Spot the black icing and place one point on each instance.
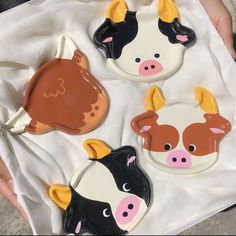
(171, 30)
(122, 34)
(90, 213)
(131, 174)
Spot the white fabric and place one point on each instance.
(28, 38)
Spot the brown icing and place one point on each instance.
(202, 135)
(157, 136)
(61, 95)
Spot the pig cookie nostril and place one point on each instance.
(125, 214)
(174, 159)
(146, 68)
(153, 67)
(184, 160)
(130, 206)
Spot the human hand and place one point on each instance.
(222, 20)
(7, 189)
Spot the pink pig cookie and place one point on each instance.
(181, 137)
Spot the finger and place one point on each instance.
(11, 197)
(225, 29)
(4, 173)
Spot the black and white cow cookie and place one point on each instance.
(144, 46)
(108, 195)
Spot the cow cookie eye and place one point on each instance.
(137, 60)
(167, 147)
(192, 148)
(157, 55)
(106, 213)
(126, 188)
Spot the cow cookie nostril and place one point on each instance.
(153, 67)
(174, 159)
(184, 160)
(125, 214)
(130, 206)
(146, 68)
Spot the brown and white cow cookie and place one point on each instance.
(62, 95)
(181, 136)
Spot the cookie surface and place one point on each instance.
(181, 136)
(144, 46)
(108, 195)
(62, 95)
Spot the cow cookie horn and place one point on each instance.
(154, 99)
(96, 149)
(117, 10)
(66, 47)
(168, 10)
(61, 195)
(206, 100)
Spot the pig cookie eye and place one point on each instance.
(157, 55)
(126, 188)
(192, 148)
(167, 146)
(106, 213)
(137, 60)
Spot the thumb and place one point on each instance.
(225, 29)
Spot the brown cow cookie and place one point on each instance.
(181, 136)
(62, 95)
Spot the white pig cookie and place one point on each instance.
(109, 195)
(144, 46)
(181, 136)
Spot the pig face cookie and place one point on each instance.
(62, 95)
(109, 195)
(181, 137)
(144, 46)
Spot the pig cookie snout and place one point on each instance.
(179, 159)
(127, 209)
(150, 67)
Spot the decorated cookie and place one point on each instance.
(144, 46)
(62, 95)
(109, 195)
(181, 136)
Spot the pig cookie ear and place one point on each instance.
(206, 100)
(96, 149)
(61, 195)
(168, 10)
(117, 10)
(154, 99)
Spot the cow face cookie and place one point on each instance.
(62, 95)
(181, 137)
(108, 195)
(144, 46)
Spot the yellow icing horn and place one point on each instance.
(96, 149)
(168, 10)
(206, 100)
(61, 195)
(117, 10)
(154, 99)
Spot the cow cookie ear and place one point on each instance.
(116, 11)
(65, 48)
(168, 10)
(154, 99)
(206, 100)
(96, 149)
(61, 195)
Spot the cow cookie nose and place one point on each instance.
(150, 67)
(179, 159)
(127, 209)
